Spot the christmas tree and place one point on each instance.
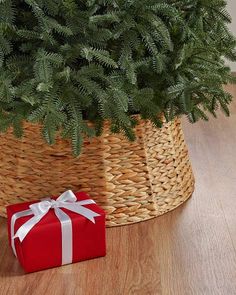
(66, 63)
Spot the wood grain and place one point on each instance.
(190, 251)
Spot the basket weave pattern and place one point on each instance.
(131, 181)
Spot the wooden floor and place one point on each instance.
(190, 251)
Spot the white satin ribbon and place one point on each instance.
(66, 200)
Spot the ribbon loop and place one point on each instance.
(41, 207)
(67, 196)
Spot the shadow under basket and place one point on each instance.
(132, 181)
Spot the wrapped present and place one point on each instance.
(56, 231)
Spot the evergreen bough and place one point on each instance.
(65, 63)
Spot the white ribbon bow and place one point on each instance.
(66, 200)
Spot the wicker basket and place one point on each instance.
(131, 181)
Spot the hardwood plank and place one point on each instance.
(131, 267)
(195, 241)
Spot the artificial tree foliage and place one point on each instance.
(66, 63)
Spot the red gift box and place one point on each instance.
(42, 246)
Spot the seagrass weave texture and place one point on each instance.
(131, 181)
